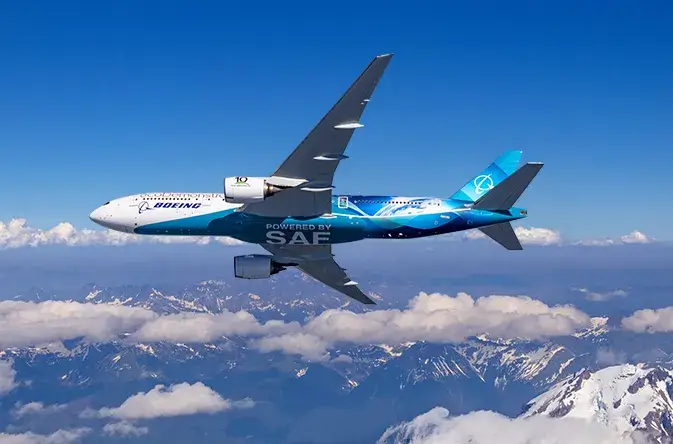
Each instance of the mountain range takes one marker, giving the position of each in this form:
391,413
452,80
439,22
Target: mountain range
367,387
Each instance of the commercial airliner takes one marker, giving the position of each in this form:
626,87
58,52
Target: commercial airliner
294,215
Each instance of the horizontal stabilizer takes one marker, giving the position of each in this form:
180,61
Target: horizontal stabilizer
504,195
503,234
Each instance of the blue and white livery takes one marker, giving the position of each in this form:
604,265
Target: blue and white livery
294,215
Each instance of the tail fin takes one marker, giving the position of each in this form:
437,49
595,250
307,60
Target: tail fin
502,198
485,181
503,234
505,195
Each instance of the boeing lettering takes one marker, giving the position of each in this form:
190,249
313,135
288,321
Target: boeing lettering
176,205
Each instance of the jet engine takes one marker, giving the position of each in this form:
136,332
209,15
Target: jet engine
242,190
256,266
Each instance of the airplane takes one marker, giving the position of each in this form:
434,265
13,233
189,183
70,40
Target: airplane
294,215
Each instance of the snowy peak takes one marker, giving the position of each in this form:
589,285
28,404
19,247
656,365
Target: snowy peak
597,328
631,399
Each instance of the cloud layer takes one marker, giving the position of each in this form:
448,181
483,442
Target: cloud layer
160,402
601,296
483,427
650,321
58,437
434,318
635,237
28,323
36,408
527,236
428,317
124,428
17,233
176,400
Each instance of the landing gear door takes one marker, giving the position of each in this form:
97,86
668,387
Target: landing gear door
342,202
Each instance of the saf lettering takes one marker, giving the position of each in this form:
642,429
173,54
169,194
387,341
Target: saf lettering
298,238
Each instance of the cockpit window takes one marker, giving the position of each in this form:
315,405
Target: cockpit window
105,203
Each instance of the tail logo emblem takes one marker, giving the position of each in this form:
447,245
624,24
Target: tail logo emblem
482,184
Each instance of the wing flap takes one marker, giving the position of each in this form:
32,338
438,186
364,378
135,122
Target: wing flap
318,262
331,274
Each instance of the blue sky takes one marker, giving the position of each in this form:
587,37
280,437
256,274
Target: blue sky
99,102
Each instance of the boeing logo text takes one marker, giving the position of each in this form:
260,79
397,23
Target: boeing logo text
177,205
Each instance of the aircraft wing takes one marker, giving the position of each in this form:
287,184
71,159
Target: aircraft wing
317,157
318,262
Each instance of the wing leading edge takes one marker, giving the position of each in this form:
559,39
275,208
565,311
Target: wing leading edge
318,262
315,160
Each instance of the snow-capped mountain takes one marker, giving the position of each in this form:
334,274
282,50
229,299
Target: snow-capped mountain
631,399
287,301
383,383
504,364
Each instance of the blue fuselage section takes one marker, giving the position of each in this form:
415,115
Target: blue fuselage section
353,218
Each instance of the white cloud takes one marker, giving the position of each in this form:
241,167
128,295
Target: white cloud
428,317
176,400
7,377
527,236
124,428
548,237
58,437
29,323
17,233
596,242
200,327
434,318
304,344
483,427
602,296
651,321
538,236
635,237
36,408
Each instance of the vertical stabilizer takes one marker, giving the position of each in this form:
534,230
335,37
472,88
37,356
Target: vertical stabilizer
485,181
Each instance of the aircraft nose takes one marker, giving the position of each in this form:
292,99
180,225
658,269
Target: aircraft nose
97,215
111,216
102,214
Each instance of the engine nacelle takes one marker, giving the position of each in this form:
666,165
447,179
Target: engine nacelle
256,266
244,190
